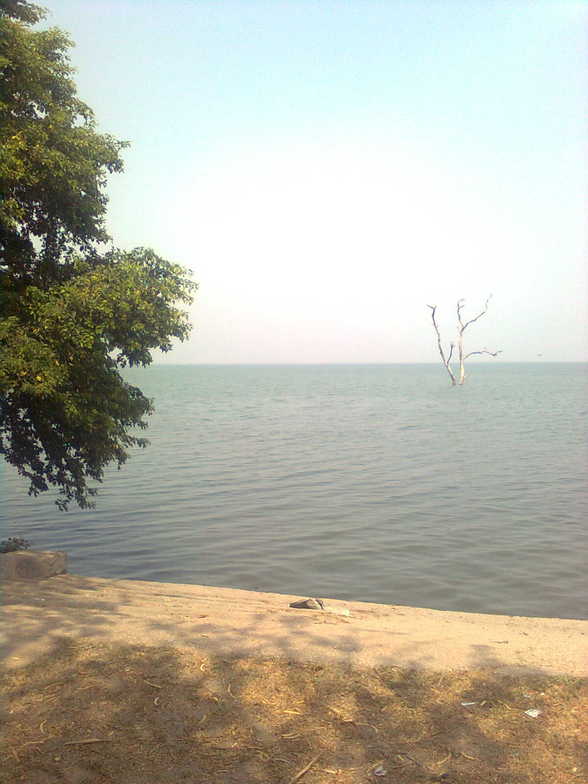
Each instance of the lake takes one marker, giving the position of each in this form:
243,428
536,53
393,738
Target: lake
369,482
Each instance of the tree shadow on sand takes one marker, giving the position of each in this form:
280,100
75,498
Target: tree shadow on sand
92,711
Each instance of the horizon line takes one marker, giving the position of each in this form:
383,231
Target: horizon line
478,363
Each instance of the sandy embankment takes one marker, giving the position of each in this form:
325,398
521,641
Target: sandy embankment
40,613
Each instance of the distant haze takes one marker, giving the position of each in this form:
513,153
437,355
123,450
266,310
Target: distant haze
329,169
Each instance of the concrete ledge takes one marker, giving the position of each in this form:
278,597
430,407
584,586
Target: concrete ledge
29,564
39,614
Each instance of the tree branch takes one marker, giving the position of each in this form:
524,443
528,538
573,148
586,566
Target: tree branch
460,304
463,326
483,351
440,346
450,353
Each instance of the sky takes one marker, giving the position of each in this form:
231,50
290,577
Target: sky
327,168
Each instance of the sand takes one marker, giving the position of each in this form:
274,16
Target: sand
39,614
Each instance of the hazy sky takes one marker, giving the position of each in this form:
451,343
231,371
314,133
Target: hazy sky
328,168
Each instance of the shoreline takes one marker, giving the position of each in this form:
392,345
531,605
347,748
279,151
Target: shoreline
39,614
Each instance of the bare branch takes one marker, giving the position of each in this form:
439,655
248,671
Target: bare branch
460,304
463,326
440,346
483,351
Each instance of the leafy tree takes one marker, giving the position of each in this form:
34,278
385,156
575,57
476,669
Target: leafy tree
72,314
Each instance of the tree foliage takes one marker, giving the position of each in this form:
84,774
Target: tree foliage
72,314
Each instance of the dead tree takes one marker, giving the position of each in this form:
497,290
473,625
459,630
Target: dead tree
461,328
446,360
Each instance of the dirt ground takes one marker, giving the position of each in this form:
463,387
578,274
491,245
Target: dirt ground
92,712
131,682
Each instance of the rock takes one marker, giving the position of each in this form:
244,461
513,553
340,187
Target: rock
318,604
308,604
28,564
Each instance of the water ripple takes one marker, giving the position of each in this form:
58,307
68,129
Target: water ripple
358,482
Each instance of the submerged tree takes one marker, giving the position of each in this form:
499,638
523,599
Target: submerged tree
461,328
72,315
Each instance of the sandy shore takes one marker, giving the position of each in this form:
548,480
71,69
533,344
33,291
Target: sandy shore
40,613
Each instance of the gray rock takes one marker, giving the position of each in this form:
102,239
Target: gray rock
308,604
318,604
28,564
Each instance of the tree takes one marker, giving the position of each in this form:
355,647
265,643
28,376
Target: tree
461,328
72,314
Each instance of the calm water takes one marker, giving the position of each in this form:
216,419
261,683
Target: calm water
377,483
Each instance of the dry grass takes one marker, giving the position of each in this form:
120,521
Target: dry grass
130,715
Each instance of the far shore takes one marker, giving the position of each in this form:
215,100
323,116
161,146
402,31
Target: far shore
40,614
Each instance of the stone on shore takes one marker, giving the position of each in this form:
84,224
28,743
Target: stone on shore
29,564
318,604
308,604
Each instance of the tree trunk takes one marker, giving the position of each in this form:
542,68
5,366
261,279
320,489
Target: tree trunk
461,361
446,360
